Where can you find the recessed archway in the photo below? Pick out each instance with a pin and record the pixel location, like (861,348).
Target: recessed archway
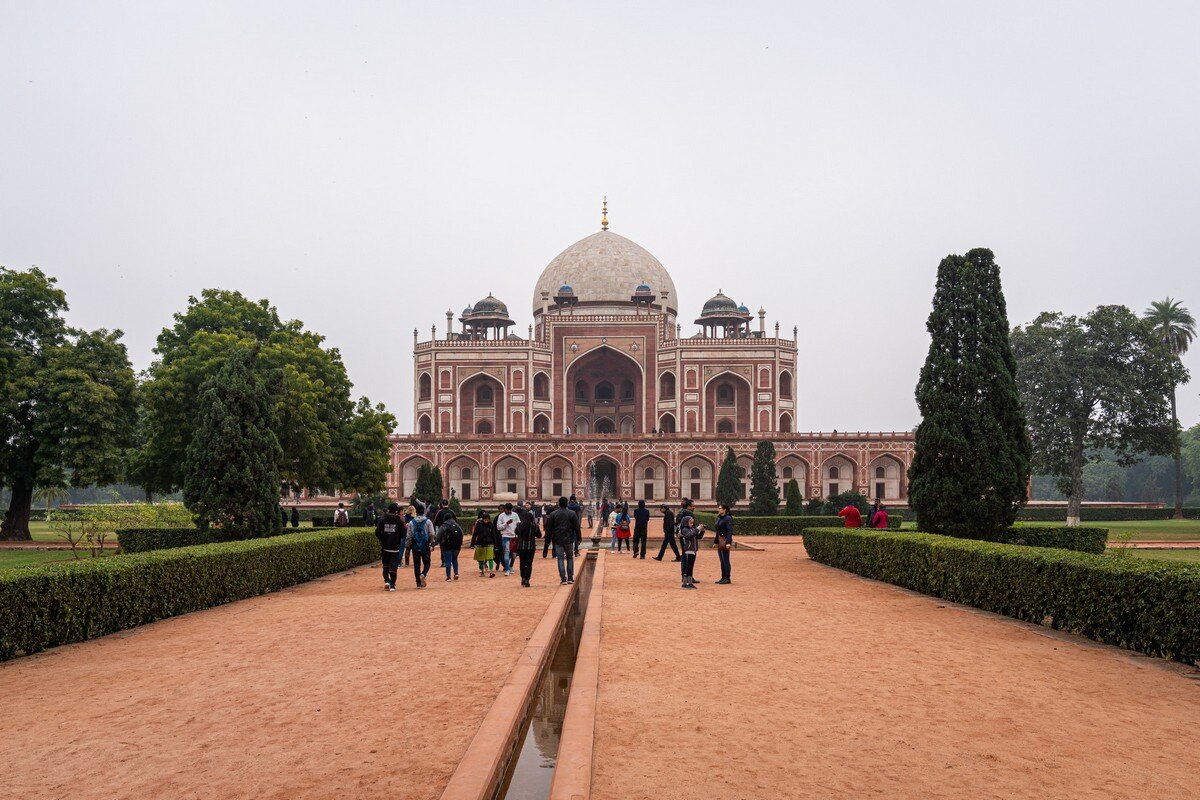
(606,383)
(603,479)
(727,398)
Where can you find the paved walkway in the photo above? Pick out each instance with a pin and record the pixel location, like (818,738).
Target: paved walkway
(802,681)
(335,688)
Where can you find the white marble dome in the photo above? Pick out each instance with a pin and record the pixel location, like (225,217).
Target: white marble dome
(605,267)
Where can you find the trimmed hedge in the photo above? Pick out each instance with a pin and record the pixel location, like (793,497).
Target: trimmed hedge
(780,525)
(143,540)
(48,606)
(1093,514)
(1152,607)
(1079,539)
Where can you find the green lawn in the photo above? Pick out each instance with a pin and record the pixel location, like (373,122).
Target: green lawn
(1167,530)
(32,558)
(1191,556)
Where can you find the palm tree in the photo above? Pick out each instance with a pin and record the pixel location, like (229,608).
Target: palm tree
(1176,328)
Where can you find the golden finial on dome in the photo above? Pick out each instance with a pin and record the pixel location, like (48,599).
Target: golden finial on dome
(604,215)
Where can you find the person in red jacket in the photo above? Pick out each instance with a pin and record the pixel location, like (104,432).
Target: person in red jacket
(880,518)
(853,516)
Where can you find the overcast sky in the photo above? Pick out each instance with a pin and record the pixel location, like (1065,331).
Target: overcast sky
(366,166)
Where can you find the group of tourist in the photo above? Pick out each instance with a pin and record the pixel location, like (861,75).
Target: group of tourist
(510,538)
(877,517)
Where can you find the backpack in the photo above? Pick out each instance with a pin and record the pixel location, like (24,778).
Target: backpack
(420,534)
(450,535)
(340,517)
(623,525)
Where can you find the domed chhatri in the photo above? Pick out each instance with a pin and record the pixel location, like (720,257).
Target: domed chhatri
(601,268)
(719,304)
(490,305)
(566,289)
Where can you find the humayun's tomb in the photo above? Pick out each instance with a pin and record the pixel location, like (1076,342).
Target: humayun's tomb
(606,395)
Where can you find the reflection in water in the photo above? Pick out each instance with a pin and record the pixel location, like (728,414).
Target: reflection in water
(534,768)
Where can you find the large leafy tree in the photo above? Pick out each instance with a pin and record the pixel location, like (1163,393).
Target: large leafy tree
(971,467)
(1176,329)
(729,479)
(764,481)
(1093,383)
(231,471)
(327,441)
(66,397)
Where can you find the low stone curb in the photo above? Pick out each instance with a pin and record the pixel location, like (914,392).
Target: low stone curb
(573,766)
(483,764)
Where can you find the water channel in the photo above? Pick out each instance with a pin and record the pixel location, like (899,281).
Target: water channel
(532,770)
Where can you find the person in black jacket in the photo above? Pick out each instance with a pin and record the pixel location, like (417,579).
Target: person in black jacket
(483,539)
(724,540)
(390,532)
(295,517)
(527,535)
(564,529)
(283,515)
(449,540)
(641,528)
(668,534)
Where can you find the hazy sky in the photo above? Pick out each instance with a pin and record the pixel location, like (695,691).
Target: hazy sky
(366,166)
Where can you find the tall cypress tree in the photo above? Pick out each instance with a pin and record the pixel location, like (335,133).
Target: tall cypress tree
(231,471)
(423,491)
(971,467)
(764,481)
(729,479)
(795,501)
(437,485)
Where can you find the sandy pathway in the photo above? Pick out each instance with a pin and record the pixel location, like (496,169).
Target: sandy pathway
(335,688)
(803,681)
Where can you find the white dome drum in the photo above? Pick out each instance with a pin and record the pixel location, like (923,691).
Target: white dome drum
(605,268)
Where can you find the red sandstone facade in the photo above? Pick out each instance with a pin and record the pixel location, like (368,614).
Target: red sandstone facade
(606,396)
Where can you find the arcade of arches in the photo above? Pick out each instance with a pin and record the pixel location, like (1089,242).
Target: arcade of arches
(490,472)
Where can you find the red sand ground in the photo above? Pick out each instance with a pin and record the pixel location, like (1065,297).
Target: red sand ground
(802,681)
(332,689)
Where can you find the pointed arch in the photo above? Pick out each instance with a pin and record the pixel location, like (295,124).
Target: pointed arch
(408,474)
(727,396)
(509,476)
(697,474)
(886,479)
(464,477)
(650,478)
(838,474)
(557,478)
(666,423)
(541,424)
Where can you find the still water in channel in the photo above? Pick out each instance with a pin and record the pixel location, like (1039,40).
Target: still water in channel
(533,768)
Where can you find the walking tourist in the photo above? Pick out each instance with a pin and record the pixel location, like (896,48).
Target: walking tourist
(724,540)
(283,516)
(641,528)
(443,511)
(549,540)
(483,539)
(420,543)
(408,517)
(390,533)
(874,510)
(506,526)
(369,515)
(564,529)
(620,529)
(527,536)
(879,518)
(668,534)
(577,509)
(605,510)
(295,517)
(450,540)
(853,516)
(689,541)
(341,517)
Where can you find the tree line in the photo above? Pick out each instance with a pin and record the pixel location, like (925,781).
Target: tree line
(998,403)
(237,403)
